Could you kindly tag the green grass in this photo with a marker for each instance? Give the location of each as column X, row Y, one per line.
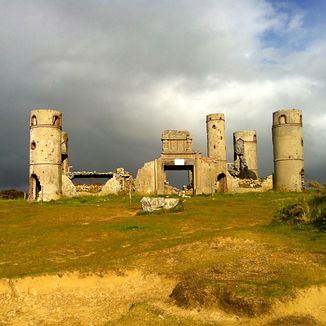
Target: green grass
column 228, row 239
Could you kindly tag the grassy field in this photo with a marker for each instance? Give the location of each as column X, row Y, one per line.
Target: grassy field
column 225, row 242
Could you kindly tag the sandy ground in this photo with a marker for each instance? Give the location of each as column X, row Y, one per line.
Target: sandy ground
column 74, row 299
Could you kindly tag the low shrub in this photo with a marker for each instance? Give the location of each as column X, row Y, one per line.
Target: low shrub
column 312, row 212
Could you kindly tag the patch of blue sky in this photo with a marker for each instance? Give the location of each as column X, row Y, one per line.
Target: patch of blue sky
column 302, row 22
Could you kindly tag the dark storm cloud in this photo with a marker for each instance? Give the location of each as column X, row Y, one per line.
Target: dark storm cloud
column 123, row 71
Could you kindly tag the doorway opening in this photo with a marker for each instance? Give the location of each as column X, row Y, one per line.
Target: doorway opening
column 179, row 178
column 221, row 183
column 34, row 187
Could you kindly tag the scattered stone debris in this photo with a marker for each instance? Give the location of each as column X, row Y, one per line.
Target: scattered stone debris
column 236, row 184
column 91, row 188
column 150, row 204
column 169, row 189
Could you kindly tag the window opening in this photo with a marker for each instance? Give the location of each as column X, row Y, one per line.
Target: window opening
column 56, row 121
column 34, row 120
column 282, row 119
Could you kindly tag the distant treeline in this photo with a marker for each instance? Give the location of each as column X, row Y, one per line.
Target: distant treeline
column 11, row 194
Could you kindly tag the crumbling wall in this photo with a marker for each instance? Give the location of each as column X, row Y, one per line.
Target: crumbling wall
column 121, row 182
column 145, row 182
column 68, row 188
column 238, row 185
column 112, row 186
column 245, row 151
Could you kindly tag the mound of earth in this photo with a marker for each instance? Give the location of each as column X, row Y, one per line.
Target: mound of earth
column 190, row 294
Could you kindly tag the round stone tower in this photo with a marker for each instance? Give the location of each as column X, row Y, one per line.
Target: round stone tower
column 45, row 169
column 216, row 147
column 245, row 149
column 288, row 150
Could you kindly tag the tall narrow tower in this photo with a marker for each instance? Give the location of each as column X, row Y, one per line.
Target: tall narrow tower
column 216, row 147
column 288, row 150
column 45, row 168
column 245, row 150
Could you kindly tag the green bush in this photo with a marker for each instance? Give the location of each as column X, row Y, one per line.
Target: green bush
column 312, row 212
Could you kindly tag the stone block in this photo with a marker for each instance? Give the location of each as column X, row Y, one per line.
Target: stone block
column 150, row 204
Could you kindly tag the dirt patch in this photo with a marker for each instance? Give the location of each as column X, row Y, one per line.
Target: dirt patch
column 74, row 299
column 126, row 298
column 308, row 303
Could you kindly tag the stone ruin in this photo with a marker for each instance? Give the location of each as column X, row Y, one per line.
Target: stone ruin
column 51, row 176
column 177, row 154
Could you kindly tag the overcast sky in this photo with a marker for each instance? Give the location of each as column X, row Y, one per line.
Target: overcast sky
column 122, row 71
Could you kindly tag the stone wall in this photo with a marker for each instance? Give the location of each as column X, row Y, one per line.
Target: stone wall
column 145, row 180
